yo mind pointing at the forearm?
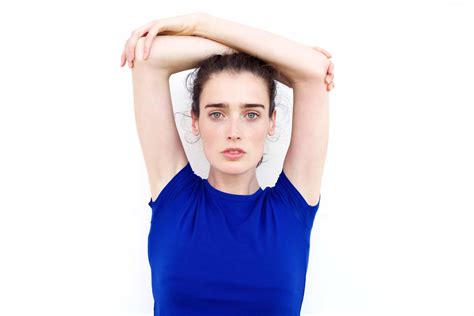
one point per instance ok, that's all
(295, 61)
(176, 53)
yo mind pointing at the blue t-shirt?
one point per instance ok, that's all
(216, 253)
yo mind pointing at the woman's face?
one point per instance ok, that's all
(225, 121)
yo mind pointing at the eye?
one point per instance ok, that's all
(211, 115)
(255, 113)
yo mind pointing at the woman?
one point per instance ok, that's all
(223, 245)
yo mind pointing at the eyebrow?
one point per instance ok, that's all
(242, 105)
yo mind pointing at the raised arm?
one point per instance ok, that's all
(297, 62)
(161, 145)
(306, 69)
(175, 53)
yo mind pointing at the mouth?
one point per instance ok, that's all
(234, 150)
(233, 154)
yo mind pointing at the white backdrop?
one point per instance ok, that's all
(394, 231)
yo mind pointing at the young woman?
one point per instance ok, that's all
(223, 245)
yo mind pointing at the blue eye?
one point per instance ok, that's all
(211, 115)
(256, 115)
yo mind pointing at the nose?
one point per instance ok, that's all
(234, 130)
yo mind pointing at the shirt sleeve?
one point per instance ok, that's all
(181, 182)
(294, 200)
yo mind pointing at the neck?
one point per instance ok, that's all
(235, 183)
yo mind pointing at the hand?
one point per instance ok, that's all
(329, 77)
(177, 25)
(330, 73)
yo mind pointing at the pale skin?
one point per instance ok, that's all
(220, 128)
(307, 70)
(187, 25)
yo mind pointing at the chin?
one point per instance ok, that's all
(232, 167)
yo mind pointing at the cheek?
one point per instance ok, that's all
(251, 133)
(210, 132)
(259, 132)
(211, 137)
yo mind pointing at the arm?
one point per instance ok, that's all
(306, 155)
(161, 145)
(306, 69)
(297, 62)
(176, 53)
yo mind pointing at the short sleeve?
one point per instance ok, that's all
(294, 200)
(182, 180)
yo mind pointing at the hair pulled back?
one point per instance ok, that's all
(235, 63)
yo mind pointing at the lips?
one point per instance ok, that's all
(234, 150)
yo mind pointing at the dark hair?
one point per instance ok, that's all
(234, 62)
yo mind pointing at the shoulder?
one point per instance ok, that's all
(183, 182)
(286, 197)
(286, 188)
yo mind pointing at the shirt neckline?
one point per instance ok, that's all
(231, 196)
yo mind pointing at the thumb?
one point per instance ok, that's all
(328, 55)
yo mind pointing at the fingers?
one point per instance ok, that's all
(129, 50)
(132, 43)
(149, 39)
(325, 52)
(330, 86)
(122, 59)
(330, 76)
(137, 34)
(330, 72)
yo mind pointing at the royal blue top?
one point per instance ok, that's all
(216, 253)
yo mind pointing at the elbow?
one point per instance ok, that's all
(319, 67)
(313, 70)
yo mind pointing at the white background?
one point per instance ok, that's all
(394, 232)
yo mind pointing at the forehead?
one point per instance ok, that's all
(234, 90)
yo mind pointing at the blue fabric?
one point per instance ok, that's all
(217, 253)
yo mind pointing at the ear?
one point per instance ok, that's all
(271, 130)
(195, 124)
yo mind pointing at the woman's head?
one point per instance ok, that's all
(233, 105)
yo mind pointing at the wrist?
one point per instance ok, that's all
(201, 19)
